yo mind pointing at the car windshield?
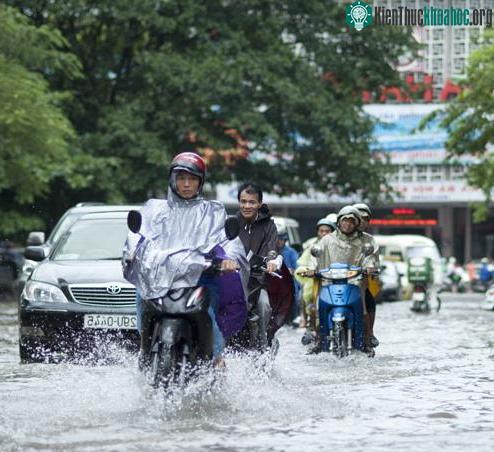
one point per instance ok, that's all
(62, 226)
(422, 251)
(93, 240)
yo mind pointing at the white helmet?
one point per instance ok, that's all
(348, 212)
(333, 217)
(363, 208)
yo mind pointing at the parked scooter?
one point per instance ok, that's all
(182, 336)
(341, 306)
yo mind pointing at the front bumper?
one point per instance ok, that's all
(58, 329)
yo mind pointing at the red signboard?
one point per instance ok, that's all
(404, 211)
(403, 222)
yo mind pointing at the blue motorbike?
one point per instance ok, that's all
(340, 310)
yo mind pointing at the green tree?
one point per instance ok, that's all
(470, 122)
(164, 76)
(34, 132)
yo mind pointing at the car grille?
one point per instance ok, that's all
(109, 294)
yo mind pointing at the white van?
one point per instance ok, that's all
(400, 247)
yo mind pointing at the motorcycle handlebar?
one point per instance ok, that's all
(263, 269)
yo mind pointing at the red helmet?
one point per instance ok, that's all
(191, 163)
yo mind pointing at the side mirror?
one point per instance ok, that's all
(367, 249)
(35, 253)
(232, 228)
(134, 221)
(316, 251)
(35, 238)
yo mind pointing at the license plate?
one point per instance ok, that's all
(110, 321)
(418, 296)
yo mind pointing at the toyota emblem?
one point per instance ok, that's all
(113, 289)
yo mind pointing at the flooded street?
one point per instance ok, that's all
(430, 386)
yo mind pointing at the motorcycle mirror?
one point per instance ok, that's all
(367, 249)
(134, 221)
(316, 251)
(232, 228)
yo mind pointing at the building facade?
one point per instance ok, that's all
(431, 194)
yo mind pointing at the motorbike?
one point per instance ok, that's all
(340, 306)
(420, 275)
(182, 338)
(265, 319)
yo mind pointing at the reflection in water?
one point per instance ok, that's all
(429, 386)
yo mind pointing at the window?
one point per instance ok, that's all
(406, 174)
(457, 172)
(437, 49)
(436, 172)
(421, 173)
(438, 35)
(93, 240)
(437, 65)
(460, 34)
(459, 64)
(459, 48)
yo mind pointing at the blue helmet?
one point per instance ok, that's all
(326, 222)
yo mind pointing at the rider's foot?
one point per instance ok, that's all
(296, 322)
(314, 350)
(369, 351)
(219, 363)
(373, 341)
(307, 338)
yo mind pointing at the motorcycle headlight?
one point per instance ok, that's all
(38, 292)
(340, 273)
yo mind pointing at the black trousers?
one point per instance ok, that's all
(370, 301)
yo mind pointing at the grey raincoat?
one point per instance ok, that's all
(347, 249)
(177, 234)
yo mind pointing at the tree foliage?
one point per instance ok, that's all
(34, 132)
(469, 119)
(281, 79)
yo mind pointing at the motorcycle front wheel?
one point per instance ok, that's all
(340, 340)
(168, 366)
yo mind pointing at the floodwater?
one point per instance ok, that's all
(430, 387)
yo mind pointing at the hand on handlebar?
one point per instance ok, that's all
(371, 271)
(228, 266)
(271, 266)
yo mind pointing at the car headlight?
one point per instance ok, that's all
(38, 292)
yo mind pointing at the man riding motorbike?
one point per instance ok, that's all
(345, 246)
(179, 232)
(372, 283)
(258, 235)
